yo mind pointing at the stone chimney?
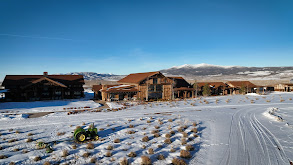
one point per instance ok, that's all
(45, 74)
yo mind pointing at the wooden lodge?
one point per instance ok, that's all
(235, 87)
(144, 86)
(284, 87)
(217, 88)
(43, 87)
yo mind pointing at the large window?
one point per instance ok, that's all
(155, 81)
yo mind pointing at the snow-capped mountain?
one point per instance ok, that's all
(210, 70)
(97, 76)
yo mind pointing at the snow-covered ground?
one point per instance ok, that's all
(238, 129)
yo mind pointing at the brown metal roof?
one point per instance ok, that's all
(240, 83)
(120, 88)
(23, 80)
(99, 87)
(136, 78)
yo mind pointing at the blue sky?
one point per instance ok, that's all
(123, 37)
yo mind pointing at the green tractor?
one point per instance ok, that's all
(81, 134)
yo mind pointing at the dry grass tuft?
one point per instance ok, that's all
(155, 131)
(183, 141)
(170, 120)
(101, 129)
(177, 161)
(161, 157)
(17, 132)
(83, 123)
(124, 161)
(194, 130)
(1, 148)
(65, 153)
(24, 151)
(282, 100)
(168, 135)
(86, 154)
(117, 141)
(11, 163)
(74, 146)
(167, 141)
(150, 151)
(108, 154)
(145, 160)
(145, 139)
(132, 154)
(172, 150)
(60, 133)
(11, 140)
(131, 132)
(29, 140)
(15, 149)
(30, 134)
(157, 135)
(3, 156)
(90, 146)
(189, 147)
(160, 146)
(172, 132)
(184, 134)
(180, 129)
(47, 163)
(10, 130)
(185, 154)
(157, 127)
(149, 121)
(110, 147)
(144, 128)
(37, 158)
(93, 160)
(131, 126)
(143, 147)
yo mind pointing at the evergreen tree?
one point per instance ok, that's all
(206, 90)
(242, 89)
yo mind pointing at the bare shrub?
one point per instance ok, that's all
(180, 129)
(37, 158)
(47, 163)
(157, 135)
(117, 141)
(145, 160)
(74, 146)
(189, 147)
(143, 147)
(29, 140)
(160, 146)
(172, 132)
(124, 161)
(110, 147)
(60, 133)
(131, 126)
(24, 151)
(15, 149)
(177, 161)
(184, 134)
(168, 135)
(108, 154)
(3, 156)
(194, 130)
(185, 154)
(86, 154)
(131, 132)
(161, 157)
(167, 141)
(93, 160)
(11, 163)
(183, 141)
(132, 154)
(172, 150)
(30, 134)
(155, 131)
(90, 146)
(157, 127)
(11, 140)
(10, 130)
(145, 139)
(151, 151)
(65, 153)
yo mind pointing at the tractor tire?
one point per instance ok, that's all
(80, 137)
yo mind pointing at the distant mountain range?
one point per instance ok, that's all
(231, 72)
(97, 76)
(207, 71)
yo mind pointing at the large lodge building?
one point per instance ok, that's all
(43, 87)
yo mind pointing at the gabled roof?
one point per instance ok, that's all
(241, 83)
(180, 82)
(46, 78)
(136, 78)
(213, 84)
(99, 87)
(120, 88)
(23, 80)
